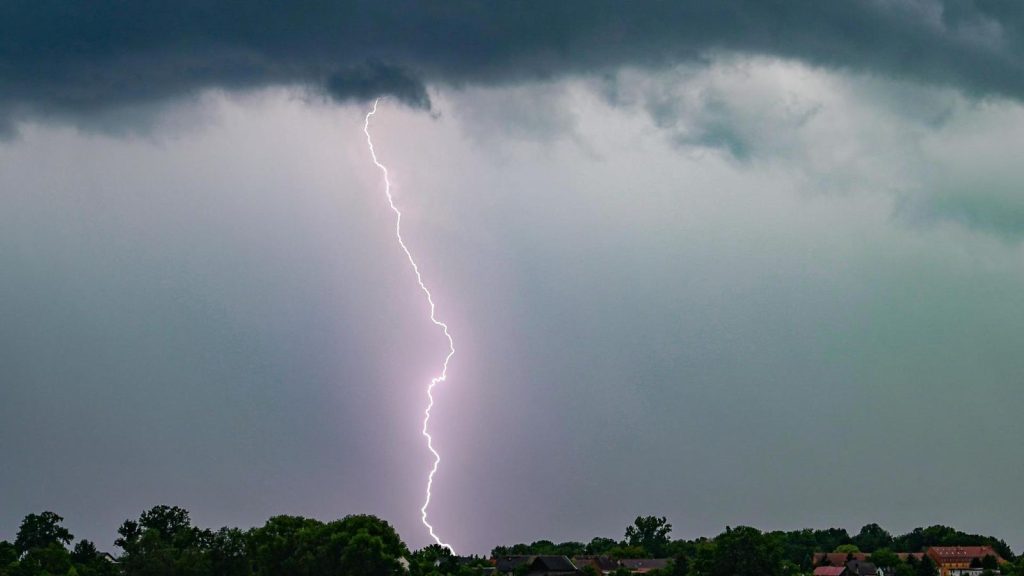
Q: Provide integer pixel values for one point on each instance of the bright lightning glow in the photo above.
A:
(433, 318)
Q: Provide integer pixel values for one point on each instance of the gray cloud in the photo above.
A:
(982, 210)
(983, 194)
(375, 78)
(941, 155)
(73, 59)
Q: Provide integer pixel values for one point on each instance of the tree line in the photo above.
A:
(163, 541)
(747, 551)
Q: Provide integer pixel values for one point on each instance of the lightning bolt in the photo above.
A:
(433, 318)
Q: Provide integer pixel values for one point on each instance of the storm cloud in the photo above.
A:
(69, 59)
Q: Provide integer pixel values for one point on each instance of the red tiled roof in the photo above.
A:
(829, 570)
(949, 554)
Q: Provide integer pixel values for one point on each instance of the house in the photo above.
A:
(536, 565)
(861, 568)
(644, 565)
(506, 564)
(966, 571)
(830, 571)
(960, 560)
(852, 563)
(603, 564)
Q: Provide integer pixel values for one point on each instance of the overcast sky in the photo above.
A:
(731, 262)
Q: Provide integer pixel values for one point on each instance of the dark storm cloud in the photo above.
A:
(73, 58)
(375, 78)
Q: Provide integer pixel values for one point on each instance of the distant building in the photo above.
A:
(536, 565)
(966, 571)
(844, 558)
(603, 564)
(861, 568)
(830, 571)
(961, 560)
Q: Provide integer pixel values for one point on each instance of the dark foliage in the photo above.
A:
(163, 542)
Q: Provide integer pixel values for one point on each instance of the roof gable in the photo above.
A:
(553, 564)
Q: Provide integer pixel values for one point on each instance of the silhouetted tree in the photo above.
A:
(872, 537)
(650, 533)
(44, 561)
(88, 561)
(741, 551)
(41, 531)
(8, 554)
(163, 542)
(359, 544)
(84, 552)
(274, 547)
(600, 546)
(228, 554)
